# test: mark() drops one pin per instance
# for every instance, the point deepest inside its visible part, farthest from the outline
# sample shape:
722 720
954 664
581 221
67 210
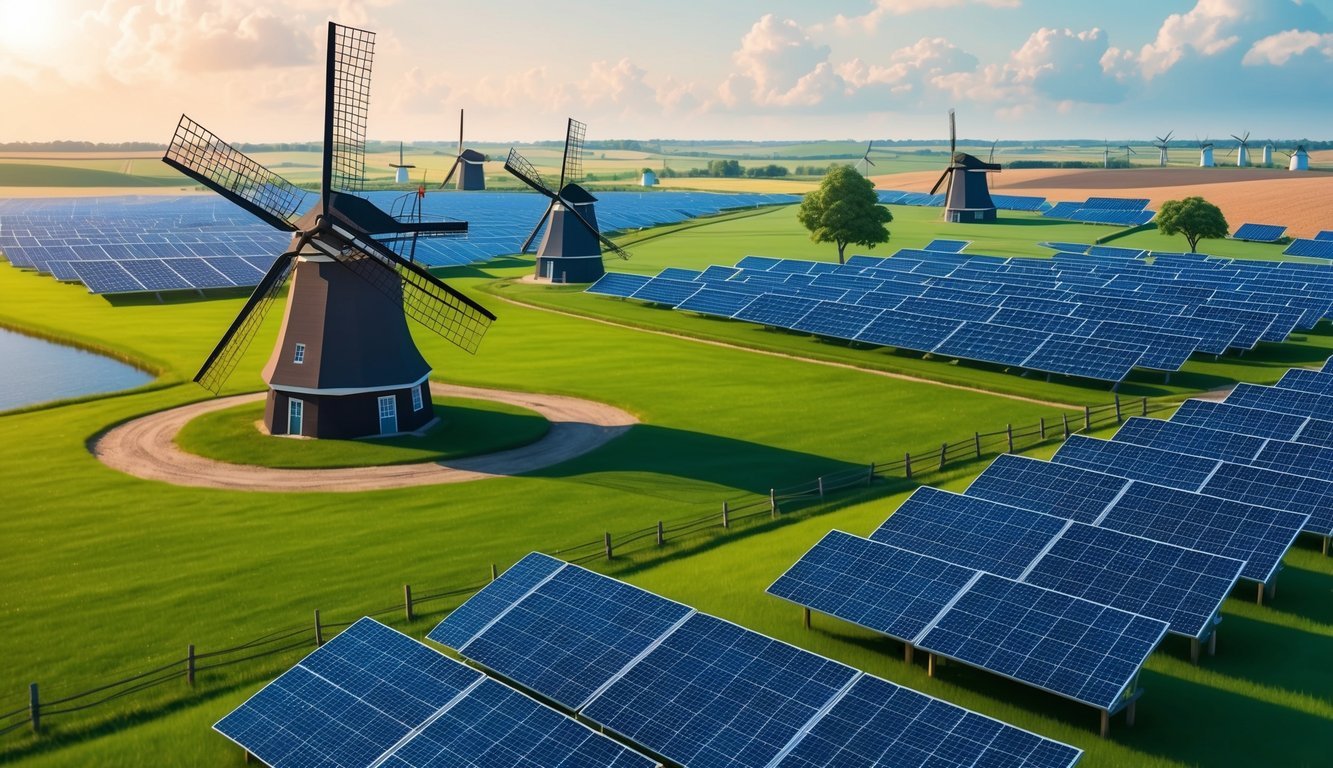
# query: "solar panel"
367 695
968 531
1164 351
1314 249
712 694
469 619
1093 359
661 290
1183 587
1136 462
1253 324
1239 419
1279 490
1282 400
1258 535
1306 380
711 301
678 273
947 246
880 587
1053 489
952 310
990 343
621 284
1259 233
777 311
1296 458
907 331
757 262
1071 647
1043 322
837 320
572 633
1196 441
106 277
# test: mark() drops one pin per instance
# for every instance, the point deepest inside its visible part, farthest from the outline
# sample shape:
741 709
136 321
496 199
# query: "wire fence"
31 714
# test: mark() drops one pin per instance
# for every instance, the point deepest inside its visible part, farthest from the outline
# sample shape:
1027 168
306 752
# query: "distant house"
649 179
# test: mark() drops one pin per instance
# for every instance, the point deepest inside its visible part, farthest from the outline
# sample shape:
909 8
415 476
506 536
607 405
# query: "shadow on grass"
187 296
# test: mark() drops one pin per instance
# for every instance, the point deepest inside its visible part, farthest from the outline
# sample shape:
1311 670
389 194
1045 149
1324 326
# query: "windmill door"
388 415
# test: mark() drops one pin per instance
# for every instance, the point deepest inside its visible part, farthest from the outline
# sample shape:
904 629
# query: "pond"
35 371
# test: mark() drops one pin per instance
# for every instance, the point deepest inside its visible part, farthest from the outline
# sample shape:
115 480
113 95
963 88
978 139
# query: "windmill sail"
571 168
346 105
220 363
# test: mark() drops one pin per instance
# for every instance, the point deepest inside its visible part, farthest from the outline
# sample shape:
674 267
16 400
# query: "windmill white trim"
1206 154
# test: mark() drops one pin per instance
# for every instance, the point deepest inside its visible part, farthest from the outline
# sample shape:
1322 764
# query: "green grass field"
116 574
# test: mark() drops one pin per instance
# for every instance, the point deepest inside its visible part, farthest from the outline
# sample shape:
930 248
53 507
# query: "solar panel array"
1097 313
700 691
921 199
1124 212
372 696
1318 248
150 244
1259 233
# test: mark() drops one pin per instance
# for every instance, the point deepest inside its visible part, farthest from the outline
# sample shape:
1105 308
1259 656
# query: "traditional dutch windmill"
1163 142
468 165
345 364
1242 150
571 248
1298 159
967 198
401 168
1206 154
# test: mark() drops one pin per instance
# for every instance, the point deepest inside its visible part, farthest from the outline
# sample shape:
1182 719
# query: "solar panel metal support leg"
1087 418
1212 643
1130 711
907 652
1194 650
1118 418
1259 594
1326 538
1009 436
494 572
1106 724
1145 400
805 617
1270 590
944 454
930 665
1041 423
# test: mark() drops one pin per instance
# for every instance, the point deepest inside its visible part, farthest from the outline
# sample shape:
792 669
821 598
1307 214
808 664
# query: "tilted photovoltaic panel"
1183 587
880 587
969 532
906 331
1306 380
757 262
1042 486
1296 458
712 693
1253 324
572 633
678 273
1239 419
621 284
1196 441
952 310
1282 401
878 723
1074 356
1279 490
990 343
1165 351
711 301
368 695
661 290
777 311
469 619
1217 336
1071 647
1136 462
1037 321
947 246
1258 535
837 320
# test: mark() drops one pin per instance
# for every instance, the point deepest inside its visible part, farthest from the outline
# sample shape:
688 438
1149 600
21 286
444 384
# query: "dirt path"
146 448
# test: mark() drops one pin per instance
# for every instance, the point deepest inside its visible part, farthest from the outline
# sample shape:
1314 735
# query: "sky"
252 70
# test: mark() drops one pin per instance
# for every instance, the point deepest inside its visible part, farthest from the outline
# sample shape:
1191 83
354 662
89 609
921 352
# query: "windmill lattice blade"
200 154
437 307
350 54
217 368
527 173
460 131
606 241
953 139
452 169
943 176
533 234
571 169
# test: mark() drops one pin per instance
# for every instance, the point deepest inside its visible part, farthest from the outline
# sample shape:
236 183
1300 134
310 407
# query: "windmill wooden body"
468 166
967 198
345 364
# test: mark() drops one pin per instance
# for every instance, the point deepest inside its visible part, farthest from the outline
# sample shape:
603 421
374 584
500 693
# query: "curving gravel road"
146 448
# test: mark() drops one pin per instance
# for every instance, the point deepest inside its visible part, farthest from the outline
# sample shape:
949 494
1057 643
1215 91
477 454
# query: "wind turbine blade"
947 173
220 363
527 173
452 169
953 138
533 235
198 153
460 131
346 102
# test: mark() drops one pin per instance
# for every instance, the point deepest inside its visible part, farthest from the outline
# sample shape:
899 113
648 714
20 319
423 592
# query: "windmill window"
299 356
418 402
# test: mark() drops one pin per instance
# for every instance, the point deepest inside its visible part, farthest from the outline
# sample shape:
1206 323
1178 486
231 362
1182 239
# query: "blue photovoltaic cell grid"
1296 458
468 619
779 311
1253 324
1136 462
677 273
711 301
1282 401
622 284
877 723
1042 486
837 320
946 246
1071 647
1031 320
1260 233
572 633
1328 366
1165 352
662 290
991 343
715 694
907 331
495 725
1258 535
347 702
1183 587
1091 359
1306 380
880 587
1279 490
1239 419
967 531
953 310
1196 441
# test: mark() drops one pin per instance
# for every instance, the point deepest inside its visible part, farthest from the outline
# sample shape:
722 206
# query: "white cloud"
869 22
777 63
1063 65
1278 49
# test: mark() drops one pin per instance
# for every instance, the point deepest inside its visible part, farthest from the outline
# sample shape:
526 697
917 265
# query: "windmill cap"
575 194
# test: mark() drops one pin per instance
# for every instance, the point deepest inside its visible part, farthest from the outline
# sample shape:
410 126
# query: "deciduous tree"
845 210
1193 217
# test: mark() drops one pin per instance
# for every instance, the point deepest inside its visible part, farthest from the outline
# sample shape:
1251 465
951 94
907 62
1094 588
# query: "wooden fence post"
495 573
1117 408
1087 418
726 515
944 453
1145 405
189 665
1042 422
773 502
907 465
976 441
821 486
1066 418
870 478
660 538
606 544
34 708
319 631
407 602
1009 434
